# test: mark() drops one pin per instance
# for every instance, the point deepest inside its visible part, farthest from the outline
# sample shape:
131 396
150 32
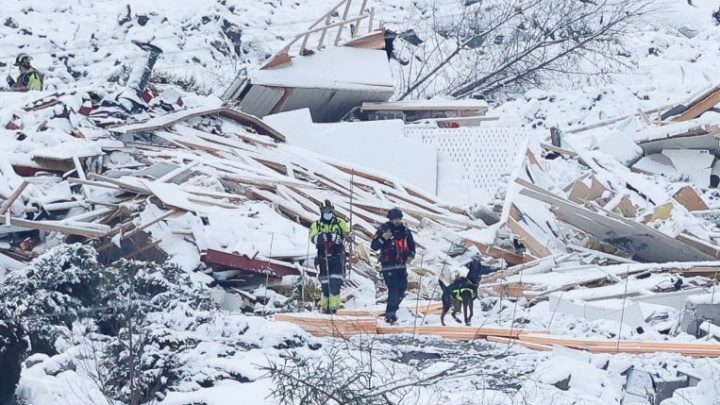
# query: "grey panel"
645 243
260 100
708 142
331 105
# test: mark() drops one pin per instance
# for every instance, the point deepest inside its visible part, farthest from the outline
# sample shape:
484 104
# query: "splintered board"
459 332
422 308
346 326
328 325
694 349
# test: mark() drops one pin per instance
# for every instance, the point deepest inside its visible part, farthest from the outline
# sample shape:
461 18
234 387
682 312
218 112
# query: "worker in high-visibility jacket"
328 234
29 78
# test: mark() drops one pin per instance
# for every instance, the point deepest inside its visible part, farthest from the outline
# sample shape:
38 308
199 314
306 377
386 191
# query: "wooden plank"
367 176
578 192
170 119
243 262
498 253
148 224
423 307
375 40
121 184
600 254
328 325
690 199
518 342
57 226
457 332
536 248
695 349
79 168
73 180
700 106
699 244
45 102
180 170
260 126
14 196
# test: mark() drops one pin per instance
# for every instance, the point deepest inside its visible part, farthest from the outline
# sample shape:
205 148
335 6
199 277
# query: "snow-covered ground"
85 43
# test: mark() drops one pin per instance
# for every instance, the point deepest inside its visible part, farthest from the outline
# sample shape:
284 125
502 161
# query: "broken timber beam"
498 253
694 349
242 262
458 332
58 226
326 325
14 196
699 106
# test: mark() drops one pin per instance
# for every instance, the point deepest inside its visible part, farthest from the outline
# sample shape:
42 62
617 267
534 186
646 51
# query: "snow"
225 393
620 146
696 164
657 163
705 299
434 103
83 50
209 105
706 392
334 68
379 145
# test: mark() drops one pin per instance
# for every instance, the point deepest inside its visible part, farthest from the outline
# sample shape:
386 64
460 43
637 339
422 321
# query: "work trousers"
396 282
331 274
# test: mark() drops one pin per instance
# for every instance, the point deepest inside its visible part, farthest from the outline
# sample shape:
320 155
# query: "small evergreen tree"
53 291
13 349
143 359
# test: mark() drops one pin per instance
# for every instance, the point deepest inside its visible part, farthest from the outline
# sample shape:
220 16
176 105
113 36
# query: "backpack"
397 250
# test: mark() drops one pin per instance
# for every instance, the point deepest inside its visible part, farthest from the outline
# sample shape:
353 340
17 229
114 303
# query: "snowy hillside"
204 43
671 56
155 250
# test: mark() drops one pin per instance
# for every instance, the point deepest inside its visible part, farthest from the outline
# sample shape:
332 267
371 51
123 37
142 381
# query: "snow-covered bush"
145 357
142 368
13 348
130 309
302 297
53 291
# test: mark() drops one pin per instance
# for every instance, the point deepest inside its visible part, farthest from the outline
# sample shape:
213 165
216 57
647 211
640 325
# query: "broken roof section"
340 63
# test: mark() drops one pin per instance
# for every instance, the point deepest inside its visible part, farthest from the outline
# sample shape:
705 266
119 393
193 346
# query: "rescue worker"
397 248
328 234
29 78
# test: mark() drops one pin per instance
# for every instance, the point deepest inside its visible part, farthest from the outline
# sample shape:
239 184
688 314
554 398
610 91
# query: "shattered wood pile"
631 245
175 183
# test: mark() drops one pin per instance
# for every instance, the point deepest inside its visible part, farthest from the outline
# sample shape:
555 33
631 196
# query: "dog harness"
459 292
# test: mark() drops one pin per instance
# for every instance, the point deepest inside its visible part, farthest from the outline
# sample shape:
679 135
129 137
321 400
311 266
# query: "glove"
409 259
10 81
320 239
337 239
387 235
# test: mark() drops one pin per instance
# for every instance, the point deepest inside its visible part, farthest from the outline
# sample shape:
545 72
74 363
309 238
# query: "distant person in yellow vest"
29 78
328 234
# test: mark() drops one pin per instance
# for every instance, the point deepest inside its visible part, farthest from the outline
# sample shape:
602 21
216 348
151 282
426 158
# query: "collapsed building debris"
573 230
321 76
146 189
